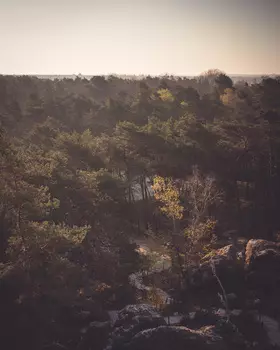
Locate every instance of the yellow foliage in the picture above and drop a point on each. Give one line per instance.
(166, 192)
(165, 95)
(228, 98)
(102, 287)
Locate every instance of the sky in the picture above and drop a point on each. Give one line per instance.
(179, 37)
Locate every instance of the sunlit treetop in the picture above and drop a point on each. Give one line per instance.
(166, 192)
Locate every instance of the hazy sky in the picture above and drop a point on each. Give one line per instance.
(182, 37)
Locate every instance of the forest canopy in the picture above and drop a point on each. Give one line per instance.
(88, 165)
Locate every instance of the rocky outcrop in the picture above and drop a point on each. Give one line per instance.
(263, 274)
(199, 319)
(176, 337)
(225, 264)
(256, 249)
(132, 320)
(141, 327)
(263, 263)
(232, 336)
(127, 314)
(251, 318)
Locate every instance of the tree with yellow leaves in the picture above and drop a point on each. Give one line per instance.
(165, 95)
(201, 193)
(229, 97)
(166, 192)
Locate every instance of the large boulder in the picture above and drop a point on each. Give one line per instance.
(227, 330)
(263, 262)
(176, 337)
(263, 274)
(240, 332)
(133, 312)
(200, 318)
(132, 320)
(223, 263)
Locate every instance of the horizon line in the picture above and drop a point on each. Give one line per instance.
(137, 74)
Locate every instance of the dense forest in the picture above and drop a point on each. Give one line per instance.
(90, 166)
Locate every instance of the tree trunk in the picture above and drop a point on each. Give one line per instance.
(176, 248)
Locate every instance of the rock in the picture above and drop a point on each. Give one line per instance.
(241, 329)
(127, 314)
(256, 249)
(199, 319)
(95, 337)
(173, 320)
(224, 263)
(136, 280)
(176, 337)
(132, 320)
(263, 274)
(230, 334)
(263, 262)
(113, 314)
(192, 315)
